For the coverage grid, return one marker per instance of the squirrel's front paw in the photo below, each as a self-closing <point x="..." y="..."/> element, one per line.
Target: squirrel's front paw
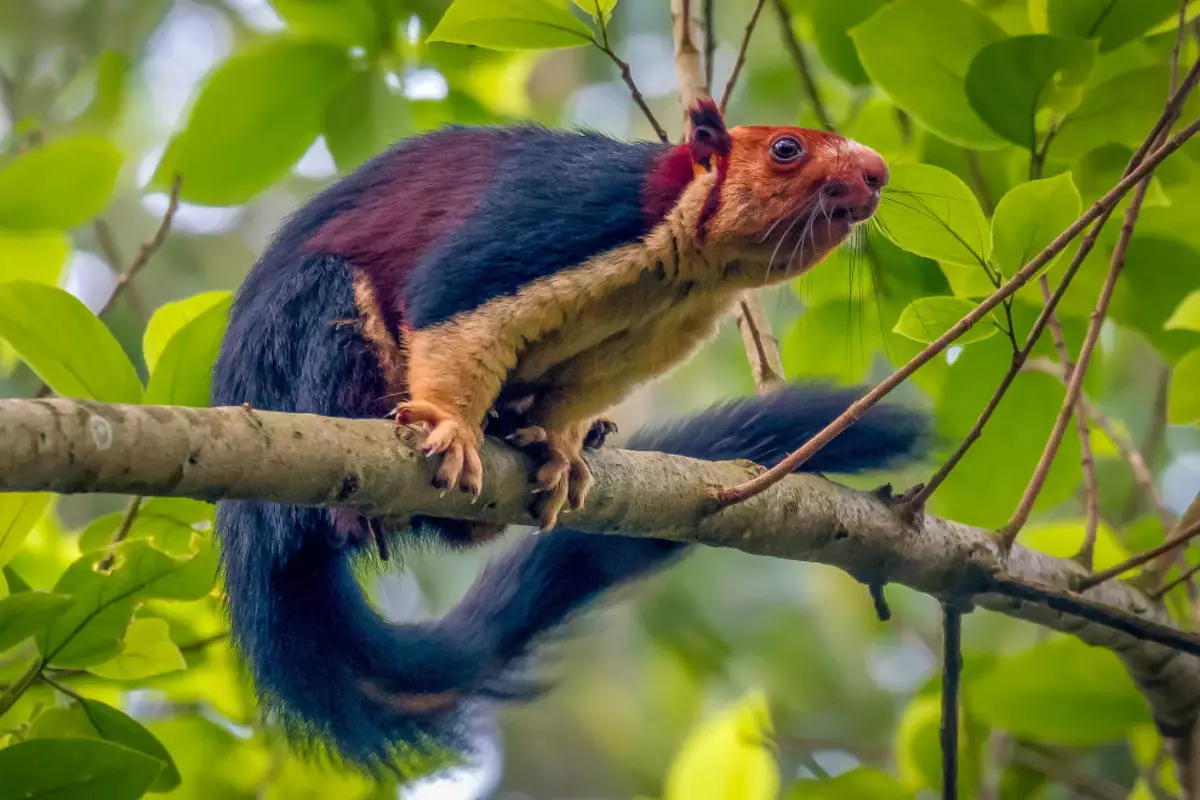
<point x="457" y="441"/>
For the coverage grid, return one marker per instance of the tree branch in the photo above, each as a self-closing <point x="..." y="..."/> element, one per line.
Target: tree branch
<point x="796" y="51"/>
<point x="73" y="446"/>
<point x="746" y="490"/>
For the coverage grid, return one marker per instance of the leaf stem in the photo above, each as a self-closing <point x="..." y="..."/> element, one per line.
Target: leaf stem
<point x="20" y="685"/>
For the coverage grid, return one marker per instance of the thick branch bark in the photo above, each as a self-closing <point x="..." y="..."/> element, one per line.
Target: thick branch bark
<point x="71" y="446"/>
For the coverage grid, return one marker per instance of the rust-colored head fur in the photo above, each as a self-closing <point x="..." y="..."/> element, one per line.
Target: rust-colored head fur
<point x="792" y="193"/>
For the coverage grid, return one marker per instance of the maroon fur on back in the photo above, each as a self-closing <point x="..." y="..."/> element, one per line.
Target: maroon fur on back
<point x="431" y="185"/>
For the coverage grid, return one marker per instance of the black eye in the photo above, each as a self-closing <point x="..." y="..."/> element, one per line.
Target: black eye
<point x="786" y="150"/>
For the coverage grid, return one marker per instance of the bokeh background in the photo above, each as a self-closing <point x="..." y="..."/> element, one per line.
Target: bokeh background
<point x="1050" y="718"/>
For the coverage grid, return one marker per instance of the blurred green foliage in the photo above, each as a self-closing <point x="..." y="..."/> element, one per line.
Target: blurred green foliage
<point x="1001" y="119"/>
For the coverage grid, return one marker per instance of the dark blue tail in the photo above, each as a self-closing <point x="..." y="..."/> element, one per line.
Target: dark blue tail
<point x="326" y="665"/>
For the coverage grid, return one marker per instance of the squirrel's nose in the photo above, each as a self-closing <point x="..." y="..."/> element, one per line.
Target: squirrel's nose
<point x="854" y="190"/>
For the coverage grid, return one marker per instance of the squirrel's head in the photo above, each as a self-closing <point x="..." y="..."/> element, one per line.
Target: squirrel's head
<point x="782" y="195"/>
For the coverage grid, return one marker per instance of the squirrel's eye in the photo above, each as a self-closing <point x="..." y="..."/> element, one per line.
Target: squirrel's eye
<point x="786" y="150"/>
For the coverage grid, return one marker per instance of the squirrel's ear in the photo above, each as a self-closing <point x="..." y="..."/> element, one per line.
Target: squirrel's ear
<point x="708" y="136"/>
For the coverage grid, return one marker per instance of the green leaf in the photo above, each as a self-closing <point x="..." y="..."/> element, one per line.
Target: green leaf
<point x="119" y="728"/>
<point x="147" y="651"/>
<point x="728" y="756"/>
<point x="512" y="25"/>
<point x="1158" y="272"/>
<point x="604" y="7"/>
<point x="364" y="118"/>
<point x="19" y="511"/>
<point x="38" y="257"/>
<point x="255" y="116"/>
<point x="349" y="23"/>
<point x="182" y="375"/>
<point x="831" y="23"/>
<point x="91" y="630"/>
<point x="966" y="281"/>
<point x="1061" y="691"/>
<point x="986" y="485"/>
<point x="169" y="521"/>
<point x="58" y="186"/>
<point x="1063" y="538"/>
<point x="66" y="344"/>
<point x="931" y="212"/>
<point x="169" y="318"/>
<point x="61" y="723"/>
<point x="112" y="72"/>
<point x="1121" y="110"/>
<point x="1009" y="81"/>
<point x="862" y="782"/>
<point x="1186" y="315"/>
<point x="928" y="318"/>
<point x="1113" y="22"/>
<point x="919" y="51"/>
<point x="22" y="615"/>
<point x="1183" y="396"/>
<point x="886" y="129"/>
<point x="1031" y="216"/>
<point x="74" y="769"/>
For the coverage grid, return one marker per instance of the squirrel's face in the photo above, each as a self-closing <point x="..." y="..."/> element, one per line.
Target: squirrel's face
<point x="790" y="195"/>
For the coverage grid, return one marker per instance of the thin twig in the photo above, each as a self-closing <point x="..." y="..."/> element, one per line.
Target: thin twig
<point x="1166" y="588"/>
<point x="710" y="44"/>
<point x="146" y="250"/>
<point x="1128" y="450"/>
<point x="741" y="56"/>
<point x="796" y="50"/>
<point x="1091" y="491"/>
<point x="627" y="76"/>
<point x="1177" y="540"/>
<point x="131" y="511"/>
<point x="112" y="254"/>
<point x="762" y="349"/>
<point x="1007" y="534"/>
<point x="737" y="494"/>
<point x="951" y="682"/>
<point x="1158" y="570"/>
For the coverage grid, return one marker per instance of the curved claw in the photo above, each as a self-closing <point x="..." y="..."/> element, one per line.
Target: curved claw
<point x="599" y="432"/>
